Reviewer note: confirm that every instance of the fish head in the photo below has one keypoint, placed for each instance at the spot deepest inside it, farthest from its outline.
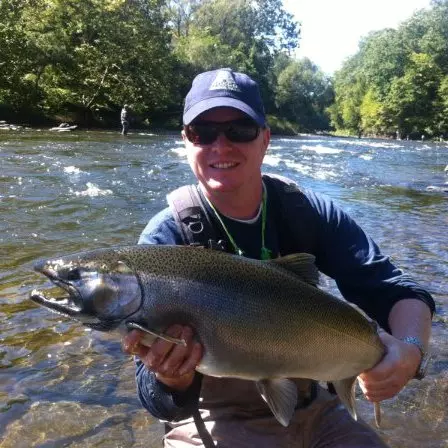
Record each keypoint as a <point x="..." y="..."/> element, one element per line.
<point x="98" y="288"/>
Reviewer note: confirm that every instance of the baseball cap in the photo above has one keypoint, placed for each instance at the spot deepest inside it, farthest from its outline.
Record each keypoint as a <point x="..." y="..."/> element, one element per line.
<point x="224" y="88"/>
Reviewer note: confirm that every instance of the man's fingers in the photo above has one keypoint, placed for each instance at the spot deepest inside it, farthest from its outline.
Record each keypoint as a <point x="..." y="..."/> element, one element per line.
<point x="177" y="355"/>
<point x="160" y="349"/>
<point x="167" y="356"/>
<point x="131" y="341"/>
<point x="383" y="394"/>
<point x="380" y="372"/>
<point x="172" y="362"/>
<point x="392" y="373"/>
<point x="368" y="380"/>
<point x="193" y="360"/>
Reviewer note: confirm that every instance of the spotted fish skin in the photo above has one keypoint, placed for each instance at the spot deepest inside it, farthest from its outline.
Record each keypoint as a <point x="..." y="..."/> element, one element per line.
<point x="256" y="320"/>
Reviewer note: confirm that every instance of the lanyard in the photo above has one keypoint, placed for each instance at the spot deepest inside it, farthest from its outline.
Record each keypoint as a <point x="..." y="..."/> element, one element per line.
<point x="266" y="254"/>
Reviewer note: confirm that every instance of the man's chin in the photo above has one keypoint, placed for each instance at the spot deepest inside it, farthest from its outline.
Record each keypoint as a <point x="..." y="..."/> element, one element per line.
<point x="221" y="185"/>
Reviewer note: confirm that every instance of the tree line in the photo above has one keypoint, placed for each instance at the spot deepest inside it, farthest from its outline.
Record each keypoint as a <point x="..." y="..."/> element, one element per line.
<point x="81" y="60"/>
<point x="397" y="83"/>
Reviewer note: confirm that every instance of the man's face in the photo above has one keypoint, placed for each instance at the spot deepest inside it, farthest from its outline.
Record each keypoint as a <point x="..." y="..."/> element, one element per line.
<point x="226" y="166"/>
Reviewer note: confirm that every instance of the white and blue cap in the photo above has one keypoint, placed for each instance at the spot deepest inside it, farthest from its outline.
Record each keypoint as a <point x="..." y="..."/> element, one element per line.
<point x="224" y="88"/>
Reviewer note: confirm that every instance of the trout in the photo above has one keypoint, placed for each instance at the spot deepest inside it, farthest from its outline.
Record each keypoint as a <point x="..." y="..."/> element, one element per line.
<point x="264" y="321"/>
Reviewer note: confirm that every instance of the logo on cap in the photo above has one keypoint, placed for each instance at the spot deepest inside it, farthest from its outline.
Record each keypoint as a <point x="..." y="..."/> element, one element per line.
<point x="224" y="81"/>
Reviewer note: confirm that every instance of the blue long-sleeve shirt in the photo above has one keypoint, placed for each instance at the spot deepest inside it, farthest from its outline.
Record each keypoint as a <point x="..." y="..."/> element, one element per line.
<point x="313" y="224"/>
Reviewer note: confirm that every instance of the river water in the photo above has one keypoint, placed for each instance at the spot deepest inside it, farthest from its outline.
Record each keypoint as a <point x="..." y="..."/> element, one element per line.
<point x="65" y="386"/>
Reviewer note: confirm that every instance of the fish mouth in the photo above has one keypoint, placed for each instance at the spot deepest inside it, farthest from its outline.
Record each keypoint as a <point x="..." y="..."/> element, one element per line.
<point x="68" y="300"/>
<point x="65" y="299"/>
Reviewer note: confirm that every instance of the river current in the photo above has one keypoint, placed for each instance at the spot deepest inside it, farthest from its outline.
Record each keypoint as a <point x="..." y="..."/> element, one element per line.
<point x="62" y="385"/>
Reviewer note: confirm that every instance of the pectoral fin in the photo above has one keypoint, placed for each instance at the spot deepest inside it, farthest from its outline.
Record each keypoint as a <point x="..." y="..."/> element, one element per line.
<point x="346" y="392"/>
<point x="152" y="335"/>
<point x="281" y="397"/>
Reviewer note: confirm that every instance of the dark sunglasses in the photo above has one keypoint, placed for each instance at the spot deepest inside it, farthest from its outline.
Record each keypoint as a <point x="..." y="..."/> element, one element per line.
<point x="206" y="132"/>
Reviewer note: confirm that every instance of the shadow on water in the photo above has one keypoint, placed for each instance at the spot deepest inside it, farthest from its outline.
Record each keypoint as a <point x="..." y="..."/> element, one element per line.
<point x="39" y="338"/>
<point x="403" y="199"/>
<point x="104" y="426"/>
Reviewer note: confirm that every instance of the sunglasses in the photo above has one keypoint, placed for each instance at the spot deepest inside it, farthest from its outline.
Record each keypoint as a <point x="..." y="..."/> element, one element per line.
<point x="206" y="132"/>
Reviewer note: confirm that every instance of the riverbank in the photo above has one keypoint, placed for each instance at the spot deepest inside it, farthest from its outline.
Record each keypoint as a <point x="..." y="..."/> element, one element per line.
<point x="278" y="126"/>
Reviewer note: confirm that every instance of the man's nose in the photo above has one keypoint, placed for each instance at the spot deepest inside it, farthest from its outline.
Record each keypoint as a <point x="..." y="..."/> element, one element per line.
<point x="222" y="143"/>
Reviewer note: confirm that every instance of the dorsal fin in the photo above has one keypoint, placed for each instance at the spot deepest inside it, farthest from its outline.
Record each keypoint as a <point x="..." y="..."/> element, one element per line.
<point x="300" y="264"/>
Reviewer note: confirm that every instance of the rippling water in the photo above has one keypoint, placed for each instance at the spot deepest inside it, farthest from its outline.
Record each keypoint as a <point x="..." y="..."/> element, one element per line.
<point x="62" y="385"/>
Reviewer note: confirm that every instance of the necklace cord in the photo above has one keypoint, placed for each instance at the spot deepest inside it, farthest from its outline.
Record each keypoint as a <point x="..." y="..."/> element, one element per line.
<point x="265" y="254"/>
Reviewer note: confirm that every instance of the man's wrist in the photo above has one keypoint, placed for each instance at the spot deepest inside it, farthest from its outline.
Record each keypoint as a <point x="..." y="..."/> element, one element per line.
<point x="424" y="358"/>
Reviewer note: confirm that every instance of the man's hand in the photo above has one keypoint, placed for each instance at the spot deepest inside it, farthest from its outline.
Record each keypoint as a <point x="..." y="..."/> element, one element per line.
<point x="174" y="365"/>
<point x="392" y="373"/>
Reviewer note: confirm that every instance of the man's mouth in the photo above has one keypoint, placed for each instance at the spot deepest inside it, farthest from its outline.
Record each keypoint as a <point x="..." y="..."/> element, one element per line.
<point x="224" y="165"/>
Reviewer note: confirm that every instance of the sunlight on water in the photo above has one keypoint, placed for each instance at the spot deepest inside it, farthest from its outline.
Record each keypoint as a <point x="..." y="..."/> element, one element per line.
<point x="73" y="192"/>
<point x="72" y="170"/>
<point x="93" y="191"/>
<point x="322" y="149"/>
<point x="181" y="151"/>
<point x="371" y="144"/>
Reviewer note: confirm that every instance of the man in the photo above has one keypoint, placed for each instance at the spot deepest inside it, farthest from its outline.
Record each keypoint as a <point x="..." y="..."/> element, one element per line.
<point x="226" y="137"/>
<point x="124" y="116"/>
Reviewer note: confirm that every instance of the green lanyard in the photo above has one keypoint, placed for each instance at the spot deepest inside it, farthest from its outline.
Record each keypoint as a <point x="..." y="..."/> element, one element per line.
<point x="266" y="254"/>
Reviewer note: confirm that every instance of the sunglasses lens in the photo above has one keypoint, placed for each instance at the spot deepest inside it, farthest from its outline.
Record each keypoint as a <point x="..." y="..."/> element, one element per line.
<point x="242" y="132"/>
<point x="201" y="134"/>
<point x="237" y="131"/>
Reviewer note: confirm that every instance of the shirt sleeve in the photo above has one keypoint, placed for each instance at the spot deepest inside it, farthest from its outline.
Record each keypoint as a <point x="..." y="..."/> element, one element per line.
<point x="158" y="399"/>
<point x="161" y="229"/>
<point x="362" y="273"/>
<point x="163" y="402"/>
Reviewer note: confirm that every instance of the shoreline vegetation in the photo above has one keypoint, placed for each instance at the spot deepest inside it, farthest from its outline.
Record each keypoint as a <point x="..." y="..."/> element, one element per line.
<point x="78" y="62"/>
<point x="278" y="127"/>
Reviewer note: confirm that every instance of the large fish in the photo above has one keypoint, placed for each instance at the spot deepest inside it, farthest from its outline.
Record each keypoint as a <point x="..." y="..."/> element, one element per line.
<point x="264" y="321"/>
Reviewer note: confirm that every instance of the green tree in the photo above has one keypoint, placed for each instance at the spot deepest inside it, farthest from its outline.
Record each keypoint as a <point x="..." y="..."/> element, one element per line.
<point x="349" y="89"/>
<point x="383" y="57"/>
<point x="394" y="81"/>
<point x="17" y="56"/>
<point x="441" y="109"/>
<point x="117" y="53"/>
<point x="303" y="93"/>
<point x="89" y="56"/>
<point x="371" y="113"/>
<point x="242" y="34"/>
<point x="410" y="105"/>
<point x="180" y="15"/>
<point x="435" y="39"/>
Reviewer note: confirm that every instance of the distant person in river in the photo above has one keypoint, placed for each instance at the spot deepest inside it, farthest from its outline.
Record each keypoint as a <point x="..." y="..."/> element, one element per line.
<point x="124" y="116"/>
<point x="262" y="216"/>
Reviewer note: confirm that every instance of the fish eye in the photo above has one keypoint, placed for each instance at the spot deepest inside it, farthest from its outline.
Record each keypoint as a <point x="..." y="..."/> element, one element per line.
<point x="73" y="275"/>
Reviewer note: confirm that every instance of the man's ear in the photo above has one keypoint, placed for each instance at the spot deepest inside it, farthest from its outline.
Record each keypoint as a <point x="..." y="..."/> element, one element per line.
<point x="266" y="138"/>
